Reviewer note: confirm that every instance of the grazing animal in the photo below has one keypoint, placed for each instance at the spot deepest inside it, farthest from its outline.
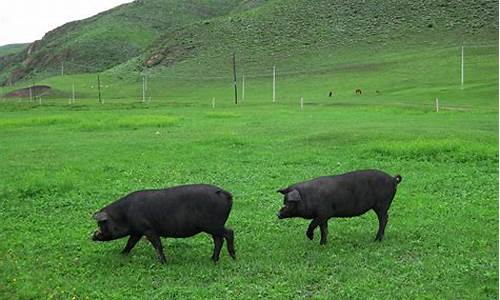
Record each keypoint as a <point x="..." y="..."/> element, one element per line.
<point x="177" y="212"/>
<point x="347" y="195"/>
<point x="358" y="92"/>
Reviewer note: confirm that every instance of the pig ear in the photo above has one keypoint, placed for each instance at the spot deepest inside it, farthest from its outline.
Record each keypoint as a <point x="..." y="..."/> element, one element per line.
<point x="283" y="191"/>
<point x="294" y="196"/>
<point x="101" y="216"/>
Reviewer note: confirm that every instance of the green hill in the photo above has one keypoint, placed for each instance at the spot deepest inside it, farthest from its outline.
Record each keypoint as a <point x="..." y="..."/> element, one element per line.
<point x="111" y="37"/>
<point x="11" y="49"/>
<point x="281" y="30"/>
<point x="397" y="52"/>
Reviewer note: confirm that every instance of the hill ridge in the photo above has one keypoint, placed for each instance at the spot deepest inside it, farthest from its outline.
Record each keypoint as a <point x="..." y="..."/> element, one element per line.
<point x="108" y="38"/>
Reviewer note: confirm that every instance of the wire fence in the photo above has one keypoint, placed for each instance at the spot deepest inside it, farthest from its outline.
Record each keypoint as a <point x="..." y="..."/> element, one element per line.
<point x="317" y="78"/>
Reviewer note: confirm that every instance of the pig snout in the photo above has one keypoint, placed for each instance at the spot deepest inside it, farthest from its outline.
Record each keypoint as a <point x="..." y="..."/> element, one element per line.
<point x="96" y="235"/>
<point x="280" y="214"/>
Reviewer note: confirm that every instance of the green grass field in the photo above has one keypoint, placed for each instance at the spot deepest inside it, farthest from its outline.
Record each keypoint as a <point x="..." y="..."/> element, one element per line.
<point x="60" y="163"/>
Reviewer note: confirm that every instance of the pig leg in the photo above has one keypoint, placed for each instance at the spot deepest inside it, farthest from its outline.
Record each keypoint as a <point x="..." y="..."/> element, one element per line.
<point x="324" y="232"/>
<point x="314" y="223"/>
<point x="218" y="241"/>
<point x="132" y="240"/>
<point x="229" y="235"/>
<point x="156" y="242"/>
<point x="382" y="221"/>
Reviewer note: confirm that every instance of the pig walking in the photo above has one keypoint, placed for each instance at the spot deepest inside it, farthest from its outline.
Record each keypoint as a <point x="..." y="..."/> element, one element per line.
<point x="177" y="212"/>
<point x="347" y="195"/>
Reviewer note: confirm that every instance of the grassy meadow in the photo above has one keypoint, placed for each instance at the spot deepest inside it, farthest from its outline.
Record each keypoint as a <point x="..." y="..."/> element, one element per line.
<point x="62" y="162"/>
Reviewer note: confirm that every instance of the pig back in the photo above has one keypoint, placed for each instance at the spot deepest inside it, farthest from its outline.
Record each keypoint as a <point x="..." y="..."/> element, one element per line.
<point x="348" y="195"/>
<point x="180" y="211"/>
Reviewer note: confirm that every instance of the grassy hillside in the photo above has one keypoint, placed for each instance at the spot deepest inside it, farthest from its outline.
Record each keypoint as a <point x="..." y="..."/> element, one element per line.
<point x="397" y="76"/>
<point x="397" y="62"/>
<point x="202" y="35"/>
<point x="111" y="37"/>
<point x="11" y="49"/>
<point x="280" y="30"/>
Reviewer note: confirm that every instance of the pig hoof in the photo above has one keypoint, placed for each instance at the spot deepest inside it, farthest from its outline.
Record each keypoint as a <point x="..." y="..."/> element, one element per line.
<point x="310" y="235"/>
<point x="322" y="243"/>
<point x="233" y="255"/>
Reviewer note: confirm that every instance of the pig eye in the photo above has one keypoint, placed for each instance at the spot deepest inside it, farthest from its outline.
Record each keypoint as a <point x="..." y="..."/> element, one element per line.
<point x="103" y="226"/>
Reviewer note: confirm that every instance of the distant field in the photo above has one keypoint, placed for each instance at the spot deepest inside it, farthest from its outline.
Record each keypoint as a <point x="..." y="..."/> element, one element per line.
<point x="60" y="163"/>
<point x="394" y="76"/>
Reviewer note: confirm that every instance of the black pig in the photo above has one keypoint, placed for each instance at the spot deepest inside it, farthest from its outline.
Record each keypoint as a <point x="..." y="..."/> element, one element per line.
<point x="347" y="195"/>
<point x="177" y="212"/>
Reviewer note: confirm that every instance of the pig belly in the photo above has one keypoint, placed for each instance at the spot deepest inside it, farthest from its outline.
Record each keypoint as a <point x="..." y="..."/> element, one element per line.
<point x="179" y="232"/>
<point x="177" y="229"/>
<point x="349" y="214"/>
<point x="353" y="209"/>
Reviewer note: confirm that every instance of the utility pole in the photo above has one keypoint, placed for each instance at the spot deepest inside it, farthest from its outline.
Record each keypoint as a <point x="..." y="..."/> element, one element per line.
<point x="99" y="88"/>
<point x="274" y="84"/>
<point x="462" y="81"/>
<point x="143" y="88"/>
<point x="234" y="80"/>
<point x="243" y="88"/>
<point x="73" y="91"/>
<point x="62" y="68"/>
